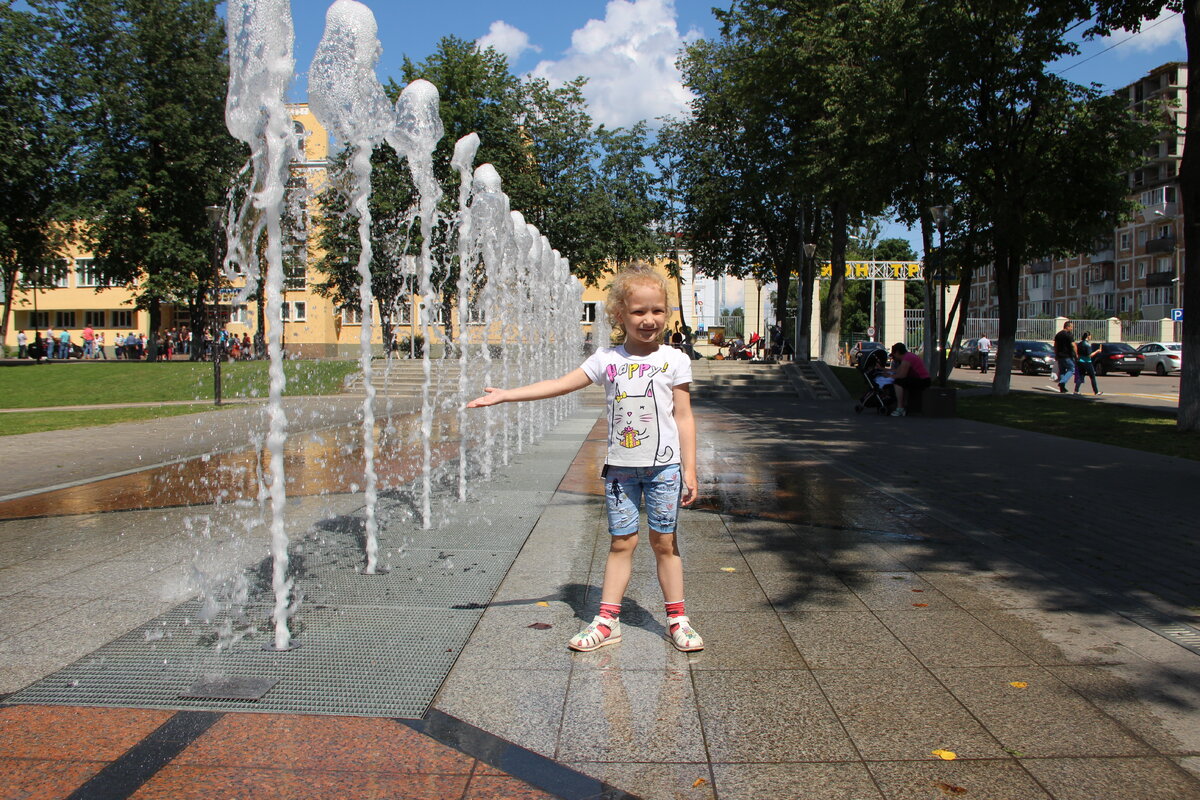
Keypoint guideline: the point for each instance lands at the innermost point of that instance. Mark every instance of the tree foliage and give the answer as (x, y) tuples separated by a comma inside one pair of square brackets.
[(141, 83)]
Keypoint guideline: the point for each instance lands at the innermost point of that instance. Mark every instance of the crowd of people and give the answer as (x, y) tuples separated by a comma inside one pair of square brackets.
[(171, 344)]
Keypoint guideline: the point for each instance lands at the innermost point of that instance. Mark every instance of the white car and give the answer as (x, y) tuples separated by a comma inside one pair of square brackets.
[(1162, 357)]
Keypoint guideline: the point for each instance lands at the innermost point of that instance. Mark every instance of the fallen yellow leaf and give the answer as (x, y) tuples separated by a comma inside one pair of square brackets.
[(699, 782), (1018, 684), (728, 569), (543, 603), (945, 755)]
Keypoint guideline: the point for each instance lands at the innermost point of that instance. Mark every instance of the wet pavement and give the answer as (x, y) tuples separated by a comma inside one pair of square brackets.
[(893, 608)]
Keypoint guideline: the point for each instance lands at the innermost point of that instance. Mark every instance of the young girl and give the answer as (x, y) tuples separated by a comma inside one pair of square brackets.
[(651, 447)]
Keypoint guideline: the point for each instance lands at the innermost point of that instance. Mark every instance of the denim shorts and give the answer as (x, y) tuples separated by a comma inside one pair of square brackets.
[(624, 488)]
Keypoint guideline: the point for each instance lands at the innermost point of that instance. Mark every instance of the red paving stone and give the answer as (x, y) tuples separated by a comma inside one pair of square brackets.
[(63, 733)]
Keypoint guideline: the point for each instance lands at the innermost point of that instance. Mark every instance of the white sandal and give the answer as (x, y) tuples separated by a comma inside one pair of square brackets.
[(591, 637), (684, 637)]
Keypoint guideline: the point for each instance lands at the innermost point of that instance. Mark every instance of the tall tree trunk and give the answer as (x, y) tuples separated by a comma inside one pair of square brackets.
[(155, 310), (1008, 279), (831, 310), (1189, 196)]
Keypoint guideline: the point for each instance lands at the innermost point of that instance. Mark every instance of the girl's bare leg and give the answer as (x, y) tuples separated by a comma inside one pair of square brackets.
[(670, 565), (618, 568)]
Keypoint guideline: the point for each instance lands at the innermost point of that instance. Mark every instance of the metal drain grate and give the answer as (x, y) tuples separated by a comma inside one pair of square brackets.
[(370, 645)]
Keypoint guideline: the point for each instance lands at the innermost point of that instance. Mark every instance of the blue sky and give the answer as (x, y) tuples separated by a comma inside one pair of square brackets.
[(627, 47)]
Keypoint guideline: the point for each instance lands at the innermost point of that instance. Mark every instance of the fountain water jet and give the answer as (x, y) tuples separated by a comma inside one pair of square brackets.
[(349, 101), (260, 68)]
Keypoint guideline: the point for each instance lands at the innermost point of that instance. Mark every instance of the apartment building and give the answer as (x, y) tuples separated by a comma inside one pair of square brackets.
[(1138, 273)]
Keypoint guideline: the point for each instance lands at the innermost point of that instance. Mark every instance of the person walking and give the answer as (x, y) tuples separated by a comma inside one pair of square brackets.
[(22, 344), (89, 341), (1085, 351), (651, 447), (985, 352), (1064, 354), (100, 347)]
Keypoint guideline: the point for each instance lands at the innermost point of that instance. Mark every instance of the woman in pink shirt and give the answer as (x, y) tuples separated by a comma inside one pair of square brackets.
[(910, 376)]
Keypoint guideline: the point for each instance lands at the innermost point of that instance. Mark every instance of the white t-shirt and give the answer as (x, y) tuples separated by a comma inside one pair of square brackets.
[(641, 403), (985, 344)]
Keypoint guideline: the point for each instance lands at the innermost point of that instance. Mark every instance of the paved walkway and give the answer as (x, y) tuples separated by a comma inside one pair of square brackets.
[(894, 608)]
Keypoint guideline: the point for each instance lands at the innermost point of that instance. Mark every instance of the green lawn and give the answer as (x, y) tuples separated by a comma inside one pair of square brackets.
[(1076, 418), (34, 421), (74, 383)]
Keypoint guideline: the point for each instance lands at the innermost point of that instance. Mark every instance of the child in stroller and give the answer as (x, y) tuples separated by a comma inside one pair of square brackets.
[(879, 393)]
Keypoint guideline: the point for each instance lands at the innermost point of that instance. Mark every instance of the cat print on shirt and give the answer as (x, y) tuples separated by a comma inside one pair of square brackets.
[(635, 423)]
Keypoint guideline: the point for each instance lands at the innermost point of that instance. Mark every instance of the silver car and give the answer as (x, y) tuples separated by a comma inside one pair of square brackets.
[(1163, 357)]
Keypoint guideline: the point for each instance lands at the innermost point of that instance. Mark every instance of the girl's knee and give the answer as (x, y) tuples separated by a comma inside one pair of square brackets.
[(664, 544), (622, 544)]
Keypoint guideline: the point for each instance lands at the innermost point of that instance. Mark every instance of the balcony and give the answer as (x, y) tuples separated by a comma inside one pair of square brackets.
[(1103, 256), (1039, 267), (1160, 279), (1163, 244), (1101, 273), (1100, 288)]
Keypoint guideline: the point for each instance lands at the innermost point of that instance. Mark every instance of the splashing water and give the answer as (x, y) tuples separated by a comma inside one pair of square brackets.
[(349, 101), (260, 68)]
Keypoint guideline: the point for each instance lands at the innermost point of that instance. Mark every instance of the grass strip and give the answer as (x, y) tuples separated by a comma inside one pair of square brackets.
[(74, 383), (36, 421)]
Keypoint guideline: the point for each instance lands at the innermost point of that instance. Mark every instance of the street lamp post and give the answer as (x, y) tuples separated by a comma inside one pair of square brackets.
[(215, 215), (941, 214), (809, 249)]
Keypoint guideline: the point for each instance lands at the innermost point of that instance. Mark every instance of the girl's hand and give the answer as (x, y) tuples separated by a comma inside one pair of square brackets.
[(690, 490), (491, 398)]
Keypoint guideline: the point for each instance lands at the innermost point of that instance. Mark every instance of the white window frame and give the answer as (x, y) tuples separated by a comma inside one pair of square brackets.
[(1126, 241), (299, 310), (1124, 272), (1141, 270), (590, 313), (352, 315)]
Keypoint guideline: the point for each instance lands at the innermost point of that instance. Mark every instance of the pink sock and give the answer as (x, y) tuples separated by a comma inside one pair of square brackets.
[(608, 611), (674, 610)]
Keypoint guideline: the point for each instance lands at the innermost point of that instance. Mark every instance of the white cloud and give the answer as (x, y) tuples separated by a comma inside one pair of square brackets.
[(1164, 30), (508, 41), (629, 60)]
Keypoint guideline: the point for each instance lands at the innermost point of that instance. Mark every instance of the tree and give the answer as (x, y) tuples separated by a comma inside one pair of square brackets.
[(142, 83), (1130, 14), (31, 163)]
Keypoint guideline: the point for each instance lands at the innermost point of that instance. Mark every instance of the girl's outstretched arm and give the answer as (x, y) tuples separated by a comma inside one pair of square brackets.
[(574, 380)]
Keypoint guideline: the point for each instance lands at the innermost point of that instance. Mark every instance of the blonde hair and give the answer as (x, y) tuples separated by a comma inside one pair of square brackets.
[(639, 273)]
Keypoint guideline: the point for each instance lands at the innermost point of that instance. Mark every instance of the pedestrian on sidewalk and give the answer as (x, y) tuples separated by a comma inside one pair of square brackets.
[(1064, 354), (651, 447), (100, 347), (1085, 351), (22, 344), (985, 352)]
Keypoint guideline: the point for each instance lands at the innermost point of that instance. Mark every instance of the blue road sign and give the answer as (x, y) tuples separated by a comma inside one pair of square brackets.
[(1176, 315)]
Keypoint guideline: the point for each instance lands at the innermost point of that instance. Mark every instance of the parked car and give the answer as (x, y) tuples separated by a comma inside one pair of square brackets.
[(1119, 357), (968, 354), (1033, 357), (858, 354), (34, 350), (1163, 357)]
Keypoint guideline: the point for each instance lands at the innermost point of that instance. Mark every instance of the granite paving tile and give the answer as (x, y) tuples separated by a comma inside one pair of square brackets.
[(27, 778), (491, 787), (982, 589), (654, 781), (904, 714), (1043, 719), (843, 781), (22, 669), (863, 557), (627, 715), (509, 631), (1191, 764), (178, 782), (845, 640), (1161, 705), (745, 640), (778, 715), (523, 706), (1024, 630), (882, 591), (973, 779), (23, 611), (74, 734), (320, 743), (818, 591), (950, 637), (1124, 778)]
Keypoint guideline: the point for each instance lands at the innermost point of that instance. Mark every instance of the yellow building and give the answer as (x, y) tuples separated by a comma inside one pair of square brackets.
[(313, 326)]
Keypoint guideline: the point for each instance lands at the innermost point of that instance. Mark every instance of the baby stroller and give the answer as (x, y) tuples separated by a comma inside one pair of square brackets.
[(881, 398)]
